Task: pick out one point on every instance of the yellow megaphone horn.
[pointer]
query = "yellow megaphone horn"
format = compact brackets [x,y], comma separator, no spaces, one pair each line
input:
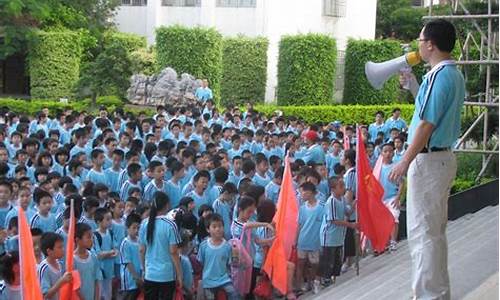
[378,73]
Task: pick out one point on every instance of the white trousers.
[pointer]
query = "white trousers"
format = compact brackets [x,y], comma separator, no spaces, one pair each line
[430,177]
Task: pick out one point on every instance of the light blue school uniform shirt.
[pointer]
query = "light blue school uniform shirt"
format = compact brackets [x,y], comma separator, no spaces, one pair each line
[215,260]
[48,277]
[214,193]
[107,264]
[331,161]
[315,154]
[158,261]
[97,177]
[119,233]
[309,227]
[272,191]
[262,181]
[127,186]
[333,235]
[187,273]
[390,188]
[112,177]
[398,155]
[237,231]
[233,152]
[198,201]
[350,181]
[203,94]
[3,213]
[400,124]
[261,233]
[374,129]
[226,144]
[45,223]
[77,149]
[151,188]
[256,147]
[224,209]
[174,193]
[129,254]
[234,178]
[14,213]
[88,221]
[90,272]
[9,292]
[12,243]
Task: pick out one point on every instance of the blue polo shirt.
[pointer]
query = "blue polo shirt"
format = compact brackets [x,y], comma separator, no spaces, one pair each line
[203,94]
[439,101]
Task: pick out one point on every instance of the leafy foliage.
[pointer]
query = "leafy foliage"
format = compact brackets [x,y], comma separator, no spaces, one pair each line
[348,114]
[144,61]
[357,89]
[306,69]
[244,70]
[197,51]
[54,63]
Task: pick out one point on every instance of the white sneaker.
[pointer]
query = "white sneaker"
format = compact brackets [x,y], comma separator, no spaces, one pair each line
[345,268]
[316,286]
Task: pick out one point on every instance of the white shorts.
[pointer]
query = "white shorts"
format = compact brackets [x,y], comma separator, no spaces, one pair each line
[311,256]
[394,211]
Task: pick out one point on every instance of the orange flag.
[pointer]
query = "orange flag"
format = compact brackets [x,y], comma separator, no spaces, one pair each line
[67,291]
[30,286]
[375,220]
[286,222]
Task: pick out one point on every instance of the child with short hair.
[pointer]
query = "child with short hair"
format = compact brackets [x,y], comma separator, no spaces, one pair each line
[134,180]
[50,270]
[5,206]
[104,248]
[12,241]
[215,254]
[43,218]
[96,174]
[200,181]
[273,188]
[90,205]
[224,204]
[86,263]
[113,172]
[174,188]
[333,229]
[261,167]
[130,260]
[23,200]
[158,183]
[308,237]
[186,266]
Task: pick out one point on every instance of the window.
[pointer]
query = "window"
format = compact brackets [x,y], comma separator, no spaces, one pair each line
[135,2]
[237,3]
[334,8]
[188,3]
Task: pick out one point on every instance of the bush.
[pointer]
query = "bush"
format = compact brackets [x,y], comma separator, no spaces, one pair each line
[131,42]
[197,51]
[460,185]
[31,107]
[54,63]
[348,114]
[244,70]
[144,61]
[357,89]
[306,69]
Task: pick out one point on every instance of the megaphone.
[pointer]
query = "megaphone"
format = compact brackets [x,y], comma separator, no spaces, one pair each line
[378,73]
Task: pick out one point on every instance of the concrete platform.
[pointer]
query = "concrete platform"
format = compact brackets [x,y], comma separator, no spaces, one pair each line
[473,265]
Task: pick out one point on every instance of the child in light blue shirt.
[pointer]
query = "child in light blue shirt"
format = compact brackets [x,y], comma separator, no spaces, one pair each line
[86,263]
[224,206]
[43,218]
[104,249]
[130,263]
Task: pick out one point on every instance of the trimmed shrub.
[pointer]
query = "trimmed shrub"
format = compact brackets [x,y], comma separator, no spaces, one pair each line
[348,114]
[144,61]
[197,51]
[306,69]
[130,41]
[357,89]
[244,70]
[54,63]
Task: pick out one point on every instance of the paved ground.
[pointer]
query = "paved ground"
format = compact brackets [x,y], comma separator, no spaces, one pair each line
[473,265]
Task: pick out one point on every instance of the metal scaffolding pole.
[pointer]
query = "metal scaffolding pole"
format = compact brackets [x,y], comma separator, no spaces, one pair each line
[488,99]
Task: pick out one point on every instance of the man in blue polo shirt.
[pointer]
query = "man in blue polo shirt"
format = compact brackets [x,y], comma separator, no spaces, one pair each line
[204,93]
[429,161]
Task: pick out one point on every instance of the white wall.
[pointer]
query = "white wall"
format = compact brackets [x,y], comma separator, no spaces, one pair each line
[270,18]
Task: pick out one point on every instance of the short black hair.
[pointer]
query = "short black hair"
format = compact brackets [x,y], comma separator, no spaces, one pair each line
[132,218]
[100,213]
[39,194]
[441,33]
[81,229]
[49,240]
[212,218]
[308,186]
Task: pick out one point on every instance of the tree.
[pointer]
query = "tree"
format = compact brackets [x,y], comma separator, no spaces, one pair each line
[108,74]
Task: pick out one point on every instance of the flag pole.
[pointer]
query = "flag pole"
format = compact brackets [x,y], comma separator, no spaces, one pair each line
[356,231]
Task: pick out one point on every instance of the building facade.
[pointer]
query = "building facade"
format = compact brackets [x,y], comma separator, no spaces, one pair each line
[341,19]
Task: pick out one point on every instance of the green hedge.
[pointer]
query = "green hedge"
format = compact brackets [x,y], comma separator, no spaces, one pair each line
[306,69]
[197,51]
[348,114]
[357,89]
[33,106]
[244,70]
[54,63]
[130,41]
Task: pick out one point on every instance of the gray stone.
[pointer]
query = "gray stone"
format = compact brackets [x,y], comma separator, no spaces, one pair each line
[165,88]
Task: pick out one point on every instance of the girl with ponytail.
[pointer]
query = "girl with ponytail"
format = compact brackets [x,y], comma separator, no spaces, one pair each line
[159,238]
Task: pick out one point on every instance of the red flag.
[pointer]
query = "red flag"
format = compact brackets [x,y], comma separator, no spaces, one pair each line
[375,220]
[67,290]
[286,222]
[30,286]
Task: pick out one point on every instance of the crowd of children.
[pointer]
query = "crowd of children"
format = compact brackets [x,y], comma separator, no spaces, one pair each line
[158,199]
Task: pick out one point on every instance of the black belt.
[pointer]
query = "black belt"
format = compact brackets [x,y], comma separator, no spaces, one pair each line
[434,149]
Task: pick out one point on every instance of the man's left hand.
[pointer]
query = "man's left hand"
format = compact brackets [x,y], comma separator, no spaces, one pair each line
[398,171]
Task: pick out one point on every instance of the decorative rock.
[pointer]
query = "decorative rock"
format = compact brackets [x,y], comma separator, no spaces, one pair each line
[163,89]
